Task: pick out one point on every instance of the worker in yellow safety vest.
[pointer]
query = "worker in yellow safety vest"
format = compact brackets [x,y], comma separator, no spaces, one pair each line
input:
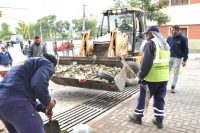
[153,77]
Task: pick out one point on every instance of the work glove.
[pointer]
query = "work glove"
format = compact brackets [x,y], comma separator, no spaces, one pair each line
[140,80]
[51,104]
[49,112]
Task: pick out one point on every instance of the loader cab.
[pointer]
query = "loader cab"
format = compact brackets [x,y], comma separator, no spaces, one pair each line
[129,21]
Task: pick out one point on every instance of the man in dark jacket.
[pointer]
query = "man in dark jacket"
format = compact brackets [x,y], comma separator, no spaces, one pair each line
[37,49]
[178,52]
[20,88]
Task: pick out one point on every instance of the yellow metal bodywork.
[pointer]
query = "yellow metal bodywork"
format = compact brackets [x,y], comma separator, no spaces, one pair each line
[118,45]
[84,47]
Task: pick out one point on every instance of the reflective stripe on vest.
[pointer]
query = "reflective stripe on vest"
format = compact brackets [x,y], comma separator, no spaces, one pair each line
[160,69]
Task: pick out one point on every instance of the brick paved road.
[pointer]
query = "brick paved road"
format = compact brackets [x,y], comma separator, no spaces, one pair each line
[182,109]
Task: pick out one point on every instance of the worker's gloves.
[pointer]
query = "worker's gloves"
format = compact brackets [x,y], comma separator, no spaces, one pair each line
[51,104]
[140,80]
[49,112]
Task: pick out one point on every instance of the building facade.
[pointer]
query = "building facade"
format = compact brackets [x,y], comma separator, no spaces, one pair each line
[185,13]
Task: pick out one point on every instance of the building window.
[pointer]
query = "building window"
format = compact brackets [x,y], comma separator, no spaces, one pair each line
[184,31]
[179,2]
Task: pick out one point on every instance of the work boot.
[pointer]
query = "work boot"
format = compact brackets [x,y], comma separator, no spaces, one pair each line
[158,123]
[172,89]
[135,118]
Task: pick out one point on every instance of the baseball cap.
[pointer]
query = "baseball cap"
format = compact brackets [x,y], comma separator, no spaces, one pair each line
[151,28]
[51,58]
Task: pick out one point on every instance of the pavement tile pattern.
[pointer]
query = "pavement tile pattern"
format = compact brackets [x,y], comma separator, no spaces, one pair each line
[182,113]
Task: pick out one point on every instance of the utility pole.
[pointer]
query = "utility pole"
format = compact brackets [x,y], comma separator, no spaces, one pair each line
[84,17]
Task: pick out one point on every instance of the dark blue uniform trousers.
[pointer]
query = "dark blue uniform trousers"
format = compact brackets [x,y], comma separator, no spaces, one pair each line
[158,91]
[20,116]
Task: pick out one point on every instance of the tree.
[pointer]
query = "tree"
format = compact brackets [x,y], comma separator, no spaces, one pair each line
[59,26]
[64,35]
[5,33]
[66,25]
[23,29]
[47,26]
[152,10]
[91,24]
[52,28]
[62,28]
[31,30]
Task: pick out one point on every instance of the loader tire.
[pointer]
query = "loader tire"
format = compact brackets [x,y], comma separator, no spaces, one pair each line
[104,75]
[134,66]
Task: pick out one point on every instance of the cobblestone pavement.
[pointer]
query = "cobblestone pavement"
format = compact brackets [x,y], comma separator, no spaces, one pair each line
[182,113]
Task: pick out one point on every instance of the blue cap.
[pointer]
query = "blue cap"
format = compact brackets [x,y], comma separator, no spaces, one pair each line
[151,28]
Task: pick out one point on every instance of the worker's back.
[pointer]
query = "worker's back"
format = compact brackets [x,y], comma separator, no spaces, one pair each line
[26,79]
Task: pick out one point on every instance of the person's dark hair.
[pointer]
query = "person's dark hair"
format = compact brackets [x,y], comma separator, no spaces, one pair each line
[176,27]
[51,58]
[37,37]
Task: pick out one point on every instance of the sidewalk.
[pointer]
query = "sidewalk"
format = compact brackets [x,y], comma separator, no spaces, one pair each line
[182,113]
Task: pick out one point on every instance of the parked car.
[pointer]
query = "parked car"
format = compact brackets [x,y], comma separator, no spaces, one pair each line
[16,39]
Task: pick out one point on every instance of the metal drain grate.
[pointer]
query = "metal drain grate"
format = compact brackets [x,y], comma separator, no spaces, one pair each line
[93,108]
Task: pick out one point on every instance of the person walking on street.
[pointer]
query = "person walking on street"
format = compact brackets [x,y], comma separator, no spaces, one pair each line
[67,48]
[29,43]
[71,47]
[37,49]
[178,53]
[153,77]
[55,48]
[63,48]
[24,91]
[5,57]
[21,45]
[25,50]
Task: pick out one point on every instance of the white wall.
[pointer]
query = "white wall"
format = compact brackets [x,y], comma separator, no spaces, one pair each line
[184,14]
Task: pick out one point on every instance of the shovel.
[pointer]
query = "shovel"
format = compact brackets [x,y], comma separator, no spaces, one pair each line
[52,126]
[147,97]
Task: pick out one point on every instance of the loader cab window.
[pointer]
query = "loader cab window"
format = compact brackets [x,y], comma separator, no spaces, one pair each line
[104,28]
[131,23]
[123,22]
[140,26]
[140,23]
